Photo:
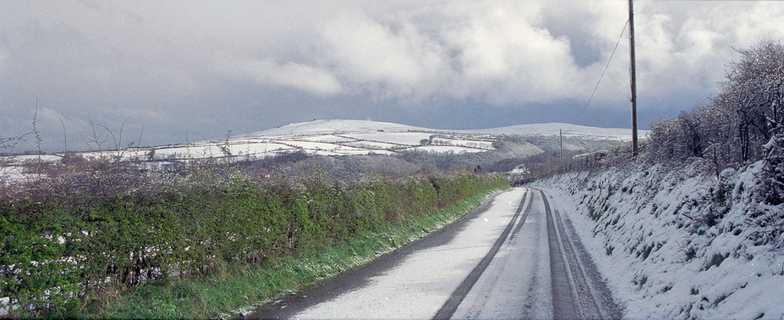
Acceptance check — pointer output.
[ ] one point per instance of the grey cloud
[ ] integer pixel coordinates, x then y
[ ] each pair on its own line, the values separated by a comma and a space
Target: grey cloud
302, 77
272, 62
498, 51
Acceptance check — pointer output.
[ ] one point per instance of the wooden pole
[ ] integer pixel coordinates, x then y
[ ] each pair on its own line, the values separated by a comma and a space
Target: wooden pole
560, 133
633, 76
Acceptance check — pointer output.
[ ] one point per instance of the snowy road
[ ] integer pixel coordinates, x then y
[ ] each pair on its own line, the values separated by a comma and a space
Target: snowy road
514, 257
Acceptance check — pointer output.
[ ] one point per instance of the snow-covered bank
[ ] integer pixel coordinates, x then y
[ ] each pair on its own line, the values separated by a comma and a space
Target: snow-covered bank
680, 243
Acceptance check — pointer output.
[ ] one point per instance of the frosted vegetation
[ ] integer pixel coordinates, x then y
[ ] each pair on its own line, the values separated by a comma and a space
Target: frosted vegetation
732, 128
358, 143
83, 229
693, 228
78, 239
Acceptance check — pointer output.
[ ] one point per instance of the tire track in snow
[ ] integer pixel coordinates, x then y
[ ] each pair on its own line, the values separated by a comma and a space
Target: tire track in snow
448, 309
516, 275
564, 300
578, 292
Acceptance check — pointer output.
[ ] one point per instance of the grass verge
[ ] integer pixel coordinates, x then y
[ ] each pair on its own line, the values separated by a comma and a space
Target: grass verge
229, 290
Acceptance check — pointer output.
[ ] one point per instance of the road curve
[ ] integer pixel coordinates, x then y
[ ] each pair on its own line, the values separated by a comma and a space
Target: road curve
513, 257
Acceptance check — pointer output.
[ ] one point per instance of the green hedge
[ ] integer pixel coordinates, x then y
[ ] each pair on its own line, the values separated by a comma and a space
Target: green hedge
62, 250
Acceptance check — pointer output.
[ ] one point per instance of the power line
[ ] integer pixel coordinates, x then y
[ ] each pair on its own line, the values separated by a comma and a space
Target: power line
602, 75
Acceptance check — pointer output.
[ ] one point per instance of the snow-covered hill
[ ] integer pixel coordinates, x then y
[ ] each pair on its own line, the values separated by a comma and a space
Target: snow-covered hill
568, 130
678, 243
338, 126
363, 137
352, 137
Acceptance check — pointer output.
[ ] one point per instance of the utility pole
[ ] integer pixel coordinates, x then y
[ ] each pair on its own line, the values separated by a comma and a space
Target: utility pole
633, 75
560, 134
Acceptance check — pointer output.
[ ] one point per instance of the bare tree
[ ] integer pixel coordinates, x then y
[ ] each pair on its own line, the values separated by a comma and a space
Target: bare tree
732, 128
757, 82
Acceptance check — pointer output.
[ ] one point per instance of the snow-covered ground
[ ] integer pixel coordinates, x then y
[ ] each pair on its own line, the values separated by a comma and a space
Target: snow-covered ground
568, 130
351, 137
338, 126
679, 244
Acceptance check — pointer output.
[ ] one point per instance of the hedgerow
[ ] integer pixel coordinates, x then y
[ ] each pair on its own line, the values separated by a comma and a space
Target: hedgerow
70, 240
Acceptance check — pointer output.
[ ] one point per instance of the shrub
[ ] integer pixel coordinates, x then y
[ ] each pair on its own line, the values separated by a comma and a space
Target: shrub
69, 239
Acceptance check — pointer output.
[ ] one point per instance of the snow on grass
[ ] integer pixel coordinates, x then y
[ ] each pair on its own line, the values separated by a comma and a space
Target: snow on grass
324, 127
22, 159
671, 247
340, 136
345, 137
257, 148
328, 138
214, 150
316, 145
186, 152
525, 150
445, 149
374, 145
11, 173
348, 152
486, 145
406, 138
569, 130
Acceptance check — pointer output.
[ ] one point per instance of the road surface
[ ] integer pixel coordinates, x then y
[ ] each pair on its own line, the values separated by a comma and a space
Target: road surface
514, 257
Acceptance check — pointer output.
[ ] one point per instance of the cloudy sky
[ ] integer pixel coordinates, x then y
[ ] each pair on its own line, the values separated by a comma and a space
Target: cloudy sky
177, 70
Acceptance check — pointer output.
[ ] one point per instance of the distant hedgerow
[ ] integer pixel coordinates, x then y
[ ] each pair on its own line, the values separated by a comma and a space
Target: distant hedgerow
70, 239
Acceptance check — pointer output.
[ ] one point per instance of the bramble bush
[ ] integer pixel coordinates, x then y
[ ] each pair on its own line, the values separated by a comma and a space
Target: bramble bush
72, 239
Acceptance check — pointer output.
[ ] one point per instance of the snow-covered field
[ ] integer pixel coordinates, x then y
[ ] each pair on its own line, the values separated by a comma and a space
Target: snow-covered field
672, 243
679, 244
568, 130
349, 137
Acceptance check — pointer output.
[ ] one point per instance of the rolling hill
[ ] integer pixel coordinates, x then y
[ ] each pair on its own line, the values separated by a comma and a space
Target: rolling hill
499, 149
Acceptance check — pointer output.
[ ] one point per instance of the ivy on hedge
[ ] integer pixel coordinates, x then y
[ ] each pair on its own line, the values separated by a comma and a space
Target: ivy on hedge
63, 248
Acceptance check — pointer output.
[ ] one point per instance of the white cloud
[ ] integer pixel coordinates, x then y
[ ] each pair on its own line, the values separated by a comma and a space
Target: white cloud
495, 49
505, 51
98, 59
508, 56
306, 78
266, 71
499, 51
684, 47
397, 60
